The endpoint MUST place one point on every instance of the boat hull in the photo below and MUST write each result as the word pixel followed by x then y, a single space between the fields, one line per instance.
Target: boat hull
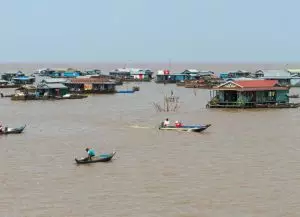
pixel 194 128
pixel 33 97
pixel 10 86
pixel 125 91
pixel 17 130
pixel 96 159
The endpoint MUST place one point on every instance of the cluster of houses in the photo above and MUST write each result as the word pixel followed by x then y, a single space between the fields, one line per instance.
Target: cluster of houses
pixel 62 87
pixel 261 89
pixel 13 80
pixel 240 88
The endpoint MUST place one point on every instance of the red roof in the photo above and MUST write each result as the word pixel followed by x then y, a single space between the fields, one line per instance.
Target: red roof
pixel 256 83
pixel 251 85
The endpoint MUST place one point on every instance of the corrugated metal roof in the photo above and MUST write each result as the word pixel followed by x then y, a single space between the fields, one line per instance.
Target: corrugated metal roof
pixel 191 70
pixel 52 86
pixel 275 73
pixel 54 80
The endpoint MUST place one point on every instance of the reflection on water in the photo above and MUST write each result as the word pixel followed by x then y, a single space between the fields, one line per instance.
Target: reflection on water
pixel 245 164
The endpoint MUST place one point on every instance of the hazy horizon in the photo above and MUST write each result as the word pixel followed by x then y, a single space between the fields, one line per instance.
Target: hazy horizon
pixel 173 66
pixel 135 31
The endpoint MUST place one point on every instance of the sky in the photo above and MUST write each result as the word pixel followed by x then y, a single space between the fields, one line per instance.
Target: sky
pixel 149 31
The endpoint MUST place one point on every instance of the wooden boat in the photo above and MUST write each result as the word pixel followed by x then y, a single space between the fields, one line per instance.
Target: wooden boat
pixel 125 91
pixel 18 97
pixel 10 86
pixel 17 130
pixel 293 96
pixel 9 95
pixel 96 159
pixel 189 128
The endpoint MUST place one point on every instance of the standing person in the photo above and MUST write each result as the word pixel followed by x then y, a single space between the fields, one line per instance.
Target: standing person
pixel 1 128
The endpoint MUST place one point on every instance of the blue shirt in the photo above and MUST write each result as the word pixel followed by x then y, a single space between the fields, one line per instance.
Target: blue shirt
pixel 91 152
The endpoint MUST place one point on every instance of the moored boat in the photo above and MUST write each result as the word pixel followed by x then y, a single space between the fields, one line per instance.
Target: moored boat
pixel 125 91
pixel 96 159
pixel 189 128
pixel 293 96
pixel 17 130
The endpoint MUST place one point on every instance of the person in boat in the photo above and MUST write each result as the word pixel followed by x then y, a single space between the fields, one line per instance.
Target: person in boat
pixel 178 124
pixel 1 128
pixel 166 122
pixel 91 153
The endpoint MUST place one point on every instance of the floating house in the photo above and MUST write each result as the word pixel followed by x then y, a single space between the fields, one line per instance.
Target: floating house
pixel 18 78
pixel 61 73
pixel 132 74
pixel 235 74
pixel 164 76
pixel 250 94
pixel 23 80
pixel 44 91
pixel 92 72
pixel 8 76
pixel 200 79
pixel 284 77
pixel 7 84
pixel 91 85
pixel 55 89
pixel 294 72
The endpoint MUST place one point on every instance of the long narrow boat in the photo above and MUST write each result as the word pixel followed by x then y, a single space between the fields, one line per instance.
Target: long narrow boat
pixel 125 91
pixel 17 130
pixel 189 128
pixel 96 159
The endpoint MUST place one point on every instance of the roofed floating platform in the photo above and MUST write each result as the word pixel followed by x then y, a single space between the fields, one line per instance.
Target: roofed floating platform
pixel 251 94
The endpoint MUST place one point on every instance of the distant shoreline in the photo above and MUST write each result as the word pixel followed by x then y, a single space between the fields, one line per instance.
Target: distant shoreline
pixel 175 66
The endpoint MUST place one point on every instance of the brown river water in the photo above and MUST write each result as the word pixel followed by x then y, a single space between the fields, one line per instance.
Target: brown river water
pixel 246 164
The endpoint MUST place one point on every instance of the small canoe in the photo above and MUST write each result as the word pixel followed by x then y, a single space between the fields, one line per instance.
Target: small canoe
pixel 99 158
pixel 125 91
pixel 17 130
pixel 190 128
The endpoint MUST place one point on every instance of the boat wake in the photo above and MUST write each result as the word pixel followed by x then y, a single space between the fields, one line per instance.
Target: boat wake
pixel 141 127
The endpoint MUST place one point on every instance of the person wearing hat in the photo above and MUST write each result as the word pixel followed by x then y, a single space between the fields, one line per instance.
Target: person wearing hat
pixel 91 153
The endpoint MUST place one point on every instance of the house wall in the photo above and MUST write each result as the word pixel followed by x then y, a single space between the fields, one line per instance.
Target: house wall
pixel 221 95
pixel 244 97
pixel 261 97
pixel 267 96
pixel 281 96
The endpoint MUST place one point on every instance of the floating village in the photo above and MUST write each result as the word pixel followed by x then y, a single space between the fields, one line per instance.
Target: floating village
pixel 233 89
pixel 229 90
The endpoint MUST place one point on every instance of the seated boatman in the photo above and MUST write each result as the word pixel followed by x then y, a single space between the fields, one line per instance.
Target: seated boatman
pixel 91 153
pixel 166 122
